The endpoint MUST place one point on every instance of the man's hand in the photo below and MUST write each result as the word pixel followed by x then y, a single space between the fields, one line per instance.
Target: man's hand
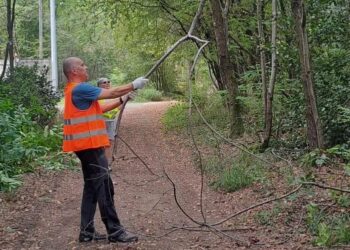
pixel 139 83
pixel 132 95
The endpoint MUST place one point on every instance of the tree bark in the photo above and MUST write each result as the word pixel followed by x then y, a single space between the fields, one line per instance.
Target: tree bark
pixel 314 132
pixel 260 17
pixel 9 52
pixel 271 87
pixel 226 67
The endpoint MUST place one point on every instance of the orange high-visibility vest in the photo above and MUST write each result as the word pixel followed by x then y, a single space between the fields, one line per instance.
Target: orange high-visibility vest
pixel 83 129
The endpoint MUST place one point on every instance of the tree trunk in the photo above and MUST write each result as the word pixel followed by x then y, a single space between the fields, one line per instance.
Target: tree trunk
pixel 260 17
pixel 314 132
pixel 5 63
pixel 226 68
pixel 271 87
pixel 10 23
pixel 9 52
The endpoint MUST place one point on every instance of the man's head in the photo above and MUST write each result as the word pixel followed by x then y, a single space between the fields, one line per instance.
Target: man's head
pixel 104 83
pixel 75 69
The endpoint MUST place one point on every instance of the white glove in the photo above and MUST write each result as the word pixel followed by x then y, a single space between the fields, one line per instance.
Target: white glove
pixel 132 95
pixel 139 83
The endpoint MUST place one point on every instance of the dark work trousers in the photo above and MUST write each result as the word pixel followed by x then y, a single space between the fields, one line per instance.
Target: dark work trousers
pixel 98 188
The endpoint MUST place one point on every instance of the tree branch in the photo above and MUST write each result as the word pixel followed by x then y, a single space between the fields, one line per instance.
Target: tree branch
pixel 258 205
pixel 326 187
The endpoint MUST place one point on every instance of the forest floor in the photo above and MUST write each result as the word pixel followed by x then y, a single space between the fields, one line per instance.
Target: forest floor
pixel 45 212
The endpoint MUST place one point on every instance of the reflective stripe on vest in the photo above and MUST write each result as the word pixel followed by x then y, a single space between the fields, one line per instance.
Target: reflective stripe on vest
pixel 85 135
pixel 90 118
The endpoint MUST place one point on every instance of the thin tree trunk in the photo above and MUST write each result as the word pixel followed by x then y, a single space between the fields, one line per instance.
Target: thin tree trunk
pixel 314 132
pixel 5 63
pixel 260 16
pixel 10 25
pixel 9 51
pixel 226 68
pixel 271 87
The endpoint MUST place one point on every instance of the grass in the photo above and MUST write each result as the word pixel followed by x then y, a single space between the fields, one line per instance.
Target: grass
pixel 235 173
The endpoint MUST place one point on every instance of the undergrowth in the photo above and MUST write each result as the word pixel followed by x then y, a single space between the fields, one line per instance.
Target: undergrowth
pixel 329 228
pixel 234 174
pixel 329 225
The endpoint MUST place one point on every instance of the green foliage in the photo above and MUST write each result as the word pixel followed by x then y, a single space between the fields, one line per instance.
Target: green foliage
pixel 329 38
pixel 250 101
pixel 328 229
pixel 28 86
pixel 8 183
pixel 149 94
pixel 267 217
pixel 241 173
pixel 57 161
pixel 316 158
pixel 175 118
pixel 332 79
pixel 211 105
pixel 236 178
pixel 26 146
pixel 319 158
pixel 343 200
pixel 313 217
pixel 340 151
pixel 27 29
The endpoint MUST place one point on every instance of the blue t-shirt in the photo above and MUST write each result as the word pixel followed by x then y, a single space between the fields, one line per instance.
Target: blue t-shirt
pixel 84 94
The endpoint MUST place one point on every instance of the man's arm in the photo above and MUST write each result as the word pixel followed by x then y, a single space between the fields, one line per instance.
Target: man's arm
pixel 115 92
pixel 110 105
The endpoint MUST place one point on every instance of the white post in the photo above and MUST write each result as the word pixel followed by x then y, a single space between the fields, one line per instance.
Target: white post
pixel 53 44
pixel 40 29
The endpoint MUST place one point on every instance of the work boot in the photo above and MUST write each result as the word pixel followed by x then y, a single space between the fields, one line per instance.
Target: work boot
pixel 122 236
pixel 85 236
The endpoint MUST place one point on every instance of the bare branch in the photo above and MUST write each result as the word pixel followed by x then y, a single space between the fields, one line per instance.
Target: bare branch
pixel 196 18
pixel 258 205
pixel 230 141
pixel 177 202
pixel 160 61
pixel 143 162
pixel 326 187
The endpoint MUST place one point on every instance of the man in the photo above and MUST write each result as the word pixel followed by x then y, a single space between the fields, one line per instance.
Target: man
pixel 85 134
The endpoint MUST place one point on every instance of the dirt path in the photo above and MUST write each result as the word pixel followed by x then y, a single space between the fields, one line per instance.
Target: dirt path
pixel 44 214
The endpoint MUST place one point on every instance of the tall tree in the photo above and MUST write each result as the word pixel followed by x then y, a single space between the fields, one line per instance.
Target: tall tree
pixel 314 132
pixel 9 52
pixel 226 67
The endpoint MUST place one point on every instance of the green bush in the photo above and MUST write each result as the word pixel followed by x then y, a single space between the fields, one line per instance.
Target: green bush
pixel 23 143
pixel 211 106
pixel 149 94
pixel 328 229
pixel 28 86
pixel 176 118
